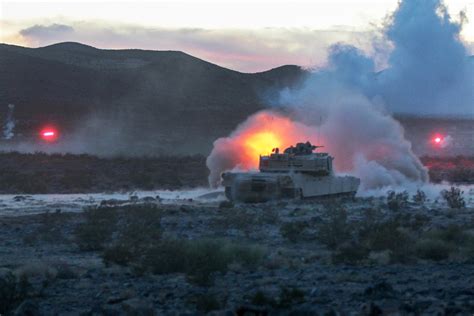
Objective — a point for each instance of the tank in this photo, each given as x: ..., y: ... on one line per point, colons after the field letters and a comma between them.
x: 297, y: 173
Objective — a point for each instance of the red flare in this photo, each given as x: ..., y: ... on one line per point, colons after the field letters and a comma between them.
x: 49, y: 134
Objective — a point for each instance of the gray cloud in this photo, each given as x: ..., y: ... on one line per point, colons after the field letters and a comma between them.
x: 243, y: 50
x: 42, y: 33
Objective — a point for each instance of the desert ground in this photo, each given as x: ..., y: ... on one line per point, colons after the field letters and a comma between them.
x: 188, y: 251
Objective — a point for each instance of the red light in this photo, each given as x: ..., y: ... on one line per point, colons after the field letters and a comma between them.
x: 437, y: 140
x: 49, y: 134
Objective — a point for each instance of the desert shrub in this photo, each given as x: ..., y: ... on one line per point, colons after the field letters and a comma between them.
x: 261, y: 299
x: 199, y: 259
x: 293, y: 231
x: 268, y: 216
x: 131, y: 227
x: 50, y: 229
x: 442, y: 243
x: 452, y: 234
x: 397, y: 201
x: 165, y: 256
x: 419, y: 197
x: 120, y: 254
x: 371, y: 215
x: 382, y: 236
x: 139, y: 225
x: 97, y: 229
x: 433, y: 249
x: 335, y: 230
x: 387, y: 235
x: 235, y: 219
x: 289, y: 296
x: 350, y: 253
x: 418, y: 221
x: 454, y: 197
x: 12, y: 291
x: 206, y: 302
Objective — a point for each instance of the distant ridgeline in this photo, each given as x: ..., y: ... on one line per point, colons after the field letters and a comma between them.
x: 147, y: 102
x: 163, y: 97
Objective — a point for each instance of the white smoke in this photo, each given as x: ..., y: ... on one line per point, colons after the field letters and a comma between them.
x: 429, y: 72
x: 9, y: 125
x: 365, y: 141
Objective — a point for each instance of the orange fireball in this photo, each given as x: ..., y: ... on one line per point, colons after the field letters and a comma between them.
x: 258, y: 135
x: 261, y: 143
x: 263, y: 132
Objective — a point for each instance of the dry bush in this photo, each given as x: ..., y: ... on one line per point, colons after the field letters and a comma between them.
x: 97, y: 229
x: 336, y: 230
x: 124, y: 227
x: 454, y: 197
x: 433, y: 249
x: 50, y: 229
x: 134, y: 238
x: 397, y: 201
x: 294, y: 231
x: 13, y: 290
x: 419, y: 197
x: 206, y: 302
x: 350, y: 253
x: 445, y: 243
x: 199, y: 259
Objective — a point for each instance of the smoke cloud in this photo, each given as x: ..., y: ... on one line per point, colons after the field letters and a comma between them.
x: 429, y: 72
x: 259, y: 134
x: 9, y: 125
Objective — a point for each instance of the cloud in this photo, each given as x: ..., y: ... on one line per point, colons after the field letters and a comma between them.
x: 240, y: 49
x: 54, y: 32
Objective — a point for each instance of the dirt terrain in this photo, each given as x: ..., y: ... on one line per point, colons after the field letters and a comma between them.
x: 40, y: 173
x: 398, y: 254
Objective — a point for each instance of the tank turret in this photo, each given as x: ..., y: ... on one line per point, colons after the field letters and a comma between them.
x: 298, y: 172
x: 300, y: 159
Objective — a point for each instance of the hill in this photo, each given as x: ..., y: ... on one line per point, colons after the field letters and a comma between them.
x: 131, y: 98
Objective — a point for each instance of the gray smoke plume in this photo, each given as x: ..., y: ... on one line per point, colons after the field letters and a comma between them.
x: 429, y: 72
x: 9, y: 125
x: 365, y: 140
x: 429, y: 69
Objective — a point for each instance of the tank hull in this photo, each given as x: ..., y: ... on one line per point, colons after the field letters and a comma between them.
x: 256, y: 187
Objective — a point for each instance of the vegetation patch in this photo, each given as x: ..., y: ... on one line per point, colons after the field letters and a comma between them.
x: 13, y: 291
x: 198, y: 259
x: 454, y: 197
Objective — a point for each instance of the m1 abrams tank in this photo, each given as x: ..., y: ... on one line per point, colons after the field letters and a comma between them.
x: 298, y: 172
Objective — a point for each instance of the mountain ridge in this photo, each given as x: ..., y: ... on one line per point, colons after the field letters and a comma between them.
x: 152, y: 95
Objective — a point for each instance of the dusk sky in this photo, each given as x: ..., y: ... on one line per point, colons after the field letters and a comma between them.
x: 248, y: 36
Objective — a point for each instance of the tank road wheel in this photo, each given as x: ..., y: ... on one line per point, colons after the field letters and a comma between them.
x: 228, y: 194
